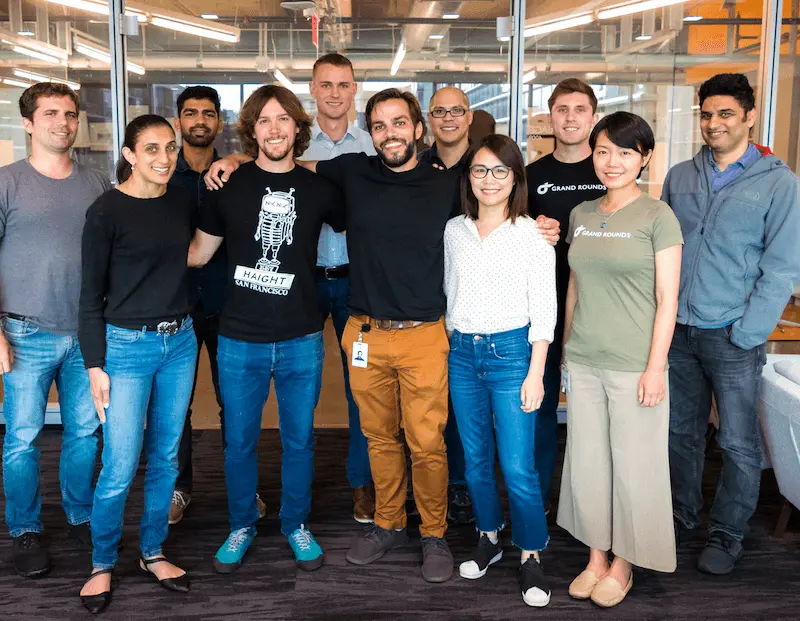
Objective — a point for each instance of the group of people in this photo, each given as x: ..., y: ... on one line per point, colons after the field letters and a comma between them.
x: 466, y: 291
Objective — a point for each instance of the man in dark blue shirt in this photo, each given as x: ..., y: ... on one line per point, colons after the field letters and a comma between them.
x: 199, y: 122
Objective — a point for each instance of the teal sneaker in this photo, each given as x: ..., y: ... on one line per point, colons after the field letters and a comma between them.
x: 306, y: 550
x: 230, y: 555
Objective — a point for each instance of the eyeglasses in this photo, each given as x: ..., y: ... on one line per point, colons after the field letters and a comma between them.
x: 455, y: 111
x: 498, y: 172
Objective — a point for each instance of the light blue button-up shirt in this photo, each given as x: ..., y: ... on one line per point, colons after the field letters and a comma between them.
x: 332, y: 247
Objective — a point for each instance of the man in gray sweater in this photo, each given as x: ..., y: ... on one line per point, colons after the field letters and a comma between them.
x: 43, y: 203
x: 739, y: 210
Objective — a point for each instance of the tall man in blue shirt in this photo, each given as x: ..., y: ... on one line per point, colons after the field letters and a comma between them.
x: 333, y: 87
x: 739, y: 211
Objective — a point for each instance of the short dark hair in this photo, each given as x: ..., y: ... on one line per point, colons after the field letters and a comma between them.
x: 133, y: 130
x: 337, y: 60
x: 507, y: 151
x: 395, y: 93
x: 252, y: 108
x: 734, y: 85
x: 199, y: 92
x: 29, y: 100
x: 627, y: 131
x: 573, y: 85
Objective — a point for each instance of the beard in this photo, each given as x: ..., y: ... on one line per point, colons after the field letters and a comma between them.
x: 396, y: 161
x: 276, y: 157
x: 199, y: 141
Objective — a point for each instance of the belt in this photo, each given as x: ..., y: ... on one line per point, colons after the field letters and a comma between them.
x: 17, y: 317
x: 389, y: 324
x: 170, y: 328
x: 332, y: 273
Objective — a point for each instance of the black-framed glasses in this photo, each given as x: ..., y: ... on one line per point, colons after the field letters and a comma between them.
x: 498, y: 172
x: 455, y: 111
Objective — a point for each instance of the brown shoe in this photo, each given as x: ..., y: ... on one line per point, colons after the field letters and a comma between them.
x: 180, y: 500
x: 583, y: 585
x: 608, y: 592
x: 364, y: 504
x: 262, y: 508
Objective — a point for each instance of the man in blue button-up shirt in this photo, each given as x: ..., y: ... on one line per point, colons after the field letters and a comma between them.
x: 333, y: 87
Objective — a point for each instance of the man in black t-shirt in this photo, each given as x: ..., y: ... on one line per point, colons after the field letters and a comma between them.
x: 557, y: 183
x: 270, y: 215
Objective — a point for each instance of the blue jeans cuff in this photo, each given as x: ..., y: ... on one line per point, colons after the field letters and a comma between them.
x: 18, y: 532
x: 151, y: 553
x: 533, y: 548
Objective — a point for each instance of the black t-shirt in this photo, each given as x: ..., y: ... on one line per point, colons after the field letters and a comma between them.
x: 554, y: 189
x: 134, y: 265
x: 395, y: 231
x: 271, y: 224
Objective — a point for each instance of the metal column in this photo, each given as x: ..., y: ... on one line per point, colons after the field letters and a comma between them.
x: 119, y: 82
x: 769, y: 68
x: 515, y: 70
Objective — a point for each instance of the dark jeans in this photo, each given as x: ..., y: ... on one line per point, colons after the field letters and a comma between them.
x: 545, y: 450
x: 332, y: 295
x: 702, y: 363
x: 455, y: 449
x: 206, y: 329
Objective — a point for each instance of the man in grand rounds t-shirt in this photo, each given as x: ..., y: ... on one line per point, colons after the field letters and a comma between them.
x: 556, y: 184
x: 270, y: 215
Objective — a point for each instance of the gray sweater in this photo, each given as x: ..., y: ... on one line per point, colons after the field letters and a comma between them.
x: 41, y: 221
x: 741, y: 255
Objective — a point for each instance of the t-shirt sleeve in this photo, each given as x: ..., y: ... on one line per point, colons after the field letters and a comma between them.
x: 666, y: 228
x: 96, y: 245
x: 335, y: 213
x: 212, y: 220
x: 456, y: 208
x: 339, y: 168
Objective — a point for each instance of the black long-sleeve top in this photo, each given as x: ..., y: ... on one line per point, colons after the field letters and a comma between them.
x: 133, y: 265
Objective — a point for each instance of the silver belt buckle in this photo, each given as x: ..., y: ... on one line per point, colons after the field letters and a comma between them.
x: 167, y: 327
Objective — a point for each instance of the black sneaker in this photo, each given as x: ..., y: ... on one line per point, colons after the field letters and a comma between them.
x: 375, y: 543
x: 459, y: 506
x: 487, y: 553
x: 437, y: 560
x: 81, y: 534
x: 533, y: 584
x: 31, y: 560
x: 720, y: 554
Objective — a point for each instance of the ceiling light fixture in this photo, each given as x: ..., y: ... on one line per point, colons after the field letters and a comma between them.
x: 210, y: 16
x: 219, y: 32
x: 26, y: 33
x: 436, y: 36
x: 398, y: 58
x: 40, y: 77
x: 451, y: 16
x: 644, y: 37
x: 33, y: 53
x: 692, y: 18
x: 35, y: 49
x: 529, y: 77
x: 19, y: 83
x: 558, y: 24
x: 104, y: 56
x: 593, y: 75
x: 280, y: 77
x: 635, y: 7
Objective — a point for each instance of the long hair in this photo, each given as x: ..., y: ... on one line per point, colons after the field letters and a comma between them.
x: 507, y: 151
x: 132, y: 133
x: 252, y: 108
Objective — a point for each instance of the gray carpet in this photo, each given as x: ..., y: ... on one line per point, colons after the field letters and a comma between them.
x: 765, y: 585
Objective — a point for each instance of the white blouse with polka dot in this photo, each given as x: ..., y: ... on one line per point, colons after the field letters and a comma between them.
x: 503, y: 282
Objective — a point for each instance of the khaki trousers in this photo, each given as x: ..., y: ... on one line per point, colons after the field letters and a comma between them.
x: 405, y: 381
x: 615, y: 487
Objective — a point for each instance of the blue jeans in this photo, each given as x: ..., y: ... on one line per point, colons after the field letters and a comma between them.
x: 332, y: 295
x: 702, y: 362
x: 545, y: 451
x: 39, y: 358
x: 151, y: 383
x: 245, y: 372
x: 486, y: 372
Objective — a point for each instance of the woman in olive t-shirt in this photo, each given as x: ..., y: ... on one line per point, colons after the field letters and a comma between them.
x: 622, y: 300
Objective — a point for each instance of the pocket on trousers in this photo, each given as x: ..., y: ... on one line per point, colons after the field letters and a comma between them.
x: 121, y: 335
x: 19, y: 329
x: 511, y: 350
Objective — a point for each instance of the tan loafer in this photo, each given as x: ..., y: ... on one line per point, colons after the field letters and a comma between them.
x: 608, y: 592
x: 583, y: 585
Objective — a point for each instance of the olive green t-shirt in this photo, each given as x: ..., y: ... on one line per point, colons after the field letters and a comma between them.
x: 615, y: 270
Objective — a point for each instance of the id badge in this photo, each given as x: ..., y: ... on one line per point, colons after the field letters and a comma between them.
x: 360, y: 356
x: 565, y: 380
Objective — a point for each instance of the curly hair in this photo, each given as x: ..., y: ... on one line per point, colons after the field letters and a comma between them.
x: 252, y: 109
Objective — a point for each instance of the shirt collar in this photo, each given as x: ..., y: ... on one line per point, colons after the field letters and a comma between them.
x: 473, y: 228
x: 318, y: 134
x: 183, y: 166
x: 750, y: 155
x: 431, y: 156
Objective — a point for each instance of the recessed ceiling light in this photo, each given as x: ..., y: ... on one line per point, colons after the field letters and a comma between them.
x: 210, y: 16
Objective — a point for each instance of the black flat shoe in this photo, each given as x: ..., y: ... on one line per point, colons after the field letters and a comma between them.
x: 179, y: 584
x: 97, y: 603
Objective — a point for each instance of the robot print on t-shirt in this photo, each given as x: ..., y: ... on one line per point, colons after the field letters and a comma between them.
x: 275, y: 228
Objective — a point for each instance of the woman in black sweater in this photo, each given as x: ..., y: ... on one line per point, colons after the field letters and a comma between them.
x: 138, y: 345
